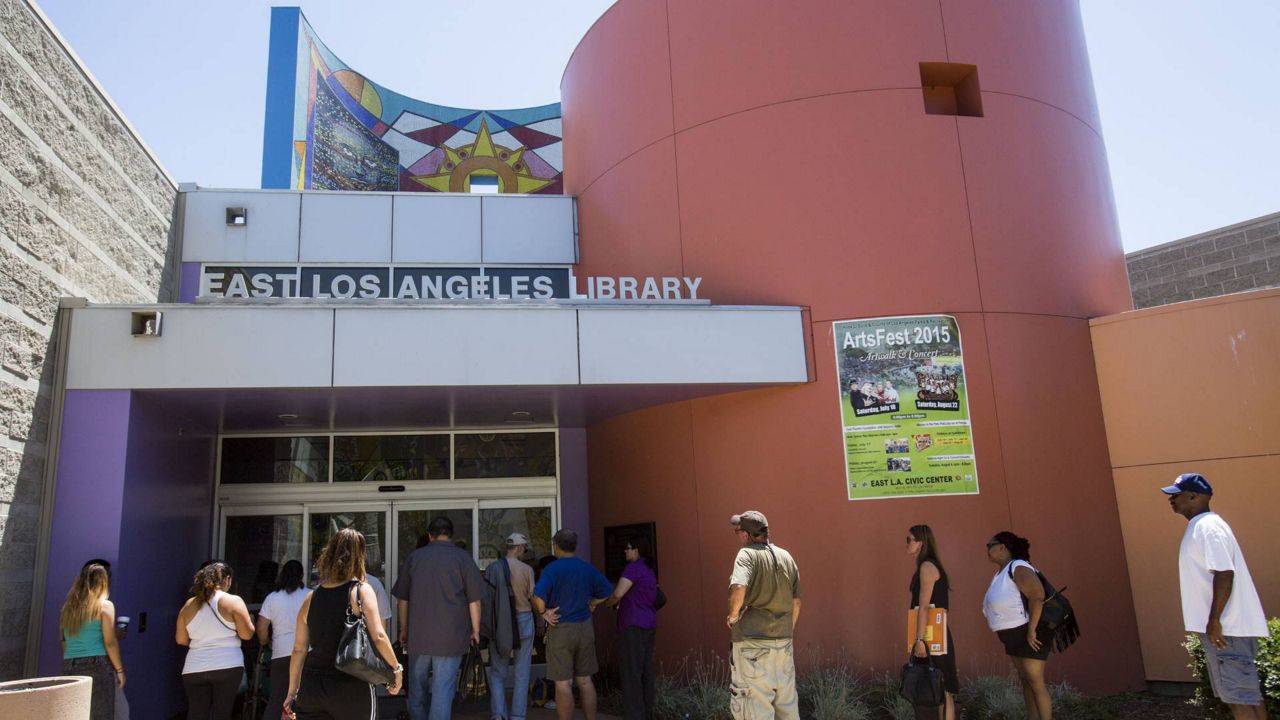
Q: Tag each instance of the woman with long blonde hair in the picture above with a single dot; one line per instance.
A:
(89, 645)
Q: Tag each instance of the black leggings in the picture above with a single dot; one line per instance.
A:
(210, 694)
(334, 696)
(279, 688)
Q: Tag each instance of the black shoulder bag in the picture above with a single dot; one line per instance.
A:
(922, 683)
(1057, 618)
(357, 656)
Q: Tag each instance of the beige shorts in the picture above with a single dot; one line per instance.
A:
(763, 681)
(571, 651)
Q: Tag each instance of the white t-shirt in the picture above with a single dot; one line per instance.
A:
(1208, 546)
(281, 608)
(384, 600)
(1003, 602)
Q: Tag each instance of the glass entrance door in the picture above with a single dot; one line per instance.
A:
(370, 519)
(256, 540)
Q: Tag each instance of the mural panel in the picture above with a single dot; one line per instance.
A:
(349, 133)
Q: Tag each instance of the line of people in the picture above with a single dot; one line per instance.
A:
(441, 596)
(1219, 604)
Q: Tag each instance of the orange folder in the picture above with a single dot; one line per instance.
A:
(935, 632)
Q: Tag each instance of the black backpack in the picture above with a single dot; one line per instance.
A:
(1057, 618)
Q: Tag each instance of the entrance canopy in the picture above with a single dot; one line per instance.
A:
(302, 365)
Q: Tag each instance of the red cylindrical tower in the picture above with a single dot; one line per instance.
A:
(783, 152)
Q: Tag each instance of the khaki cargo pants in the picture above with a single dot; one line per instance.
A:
(763, 681)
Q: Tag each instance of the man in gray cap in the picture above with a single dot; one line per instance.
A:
(1219, 601)
(764, 605)
(511, 629)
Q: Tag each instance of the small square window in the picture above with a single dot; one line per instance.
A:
(485, 184)
(237, 216)
(951, 89)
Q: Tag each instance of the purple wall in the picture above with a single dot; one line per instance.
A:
(574, 510)
(135, 486)
(189, 282)
(167, 513)
(87, 502)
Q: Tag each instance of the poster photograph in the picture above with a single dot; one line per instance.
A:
(904, 407)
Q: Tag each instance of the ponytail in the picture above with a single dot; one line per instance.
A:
(1019, 547)
(208, 580)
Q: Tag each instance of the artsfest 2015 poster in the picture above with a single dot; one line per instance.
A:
(904, 407)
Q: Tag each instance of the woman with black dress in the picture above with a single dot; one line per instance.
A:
(318, 690)
(929, 586)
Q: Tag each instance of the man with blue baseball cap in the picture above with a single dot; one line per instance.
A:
(1219, 601)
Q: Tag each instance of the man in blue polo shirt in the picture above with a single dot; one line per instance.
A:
(565, 595)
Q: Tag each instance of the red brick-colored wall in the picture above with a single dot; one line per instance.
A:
(782, 152)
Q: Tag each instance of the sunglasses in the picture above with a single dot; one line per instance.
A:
(993, 544)
(911, 540)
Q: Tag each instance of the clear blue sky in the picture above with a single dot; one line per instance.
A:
(1187, 88)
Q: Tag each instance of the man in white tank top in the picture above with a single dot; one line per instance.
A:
(1219, 601)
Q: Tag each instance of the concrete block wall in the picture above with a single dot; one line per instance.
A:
(85, 210)
(1245, 256)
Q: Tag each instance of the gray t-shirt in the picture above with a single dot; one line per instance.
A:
(772, 580)
(439, 581)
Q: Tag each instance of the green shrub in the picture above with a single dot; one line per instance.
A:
(991, 698)
(1268, 673)
(881, 695)
(832, 693)
(699, 688)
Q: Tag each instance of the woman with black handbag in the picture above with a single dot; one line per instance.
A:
(1013, 605)
(931, 589)
(318, 689)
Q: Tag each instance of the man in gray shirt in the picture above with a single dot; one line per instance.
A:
(764, 605)
(438, 603)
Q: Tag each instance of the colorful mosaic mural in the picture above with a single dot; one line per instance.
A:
(346, 132)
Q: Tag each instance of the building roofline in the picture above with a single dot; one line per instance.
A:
(1200, 236)
(97, 86)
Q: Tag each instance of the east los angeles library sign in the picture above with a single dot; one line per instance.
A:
(434, 283)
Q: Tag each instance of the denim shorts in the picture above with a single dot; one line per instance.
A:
(1233, 670)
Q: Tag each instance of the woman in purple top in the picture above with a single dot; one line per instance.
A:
(634, 596)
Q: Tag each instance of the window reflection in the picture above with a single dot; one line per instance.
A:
(497, 523)
(390, 458)
(256, 547)
(275, 460)
(493, 455)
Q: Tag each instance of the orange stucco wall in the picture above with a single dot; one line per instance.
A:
(782, 152)
(1192, 387)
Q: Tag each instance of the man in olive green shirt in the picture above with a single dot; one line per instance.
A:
(764, 605)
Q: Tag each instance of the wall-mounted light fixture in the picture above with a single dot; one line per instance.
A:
(145, 324)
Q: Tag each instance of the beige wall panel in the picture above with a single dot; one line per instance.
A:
(1194, 380)
(1246, 494)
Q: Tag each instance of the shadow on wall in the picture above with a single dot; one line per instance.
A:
(21, 487)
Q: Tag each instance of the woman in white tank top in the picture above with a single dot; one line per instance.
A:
(213, 623)
(1016, 624)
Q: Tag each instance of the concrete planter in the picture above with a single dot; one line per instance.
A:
(53, 698)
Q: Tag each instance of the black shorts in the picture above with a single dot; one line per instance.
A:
(334, 696)
(1015, 643)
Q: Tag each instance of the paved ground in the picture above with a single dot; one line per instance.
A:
(480, 711)
(534, 714)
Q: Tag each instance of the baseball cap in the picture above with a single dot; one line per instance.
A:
(753, 521)
(517, 539)
(1189, 482)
